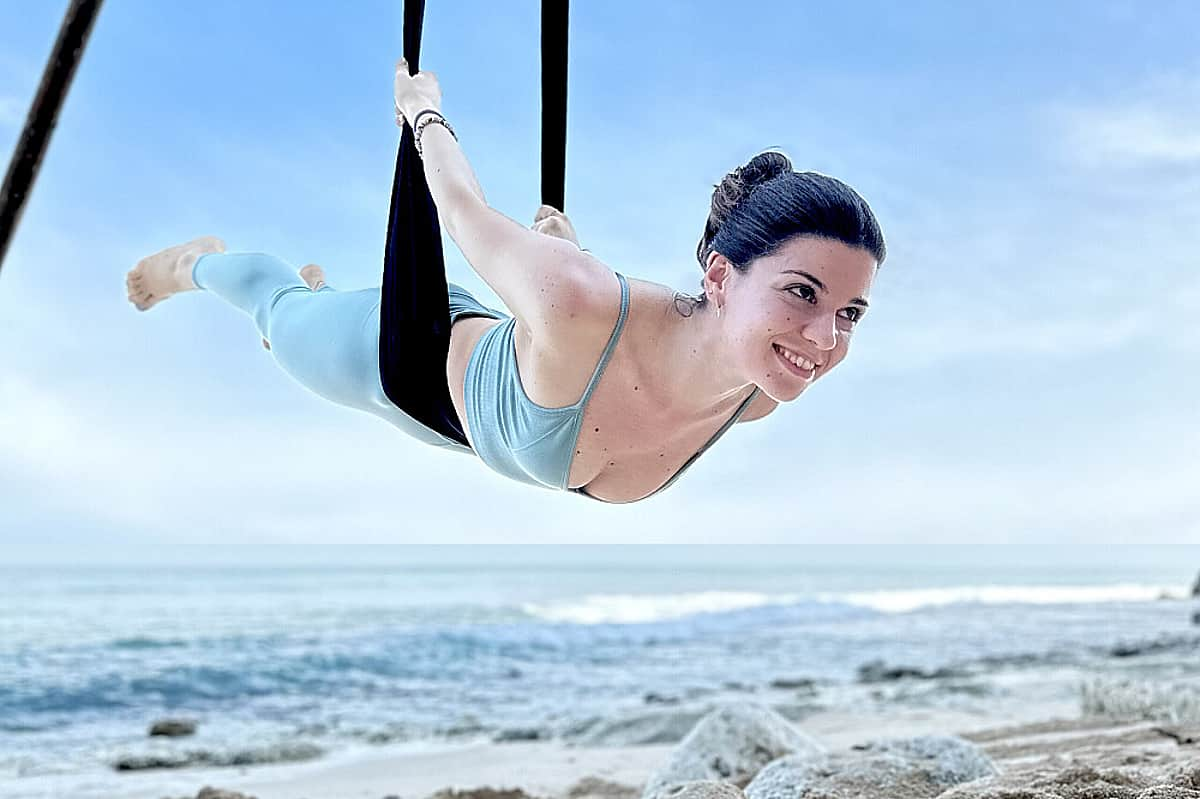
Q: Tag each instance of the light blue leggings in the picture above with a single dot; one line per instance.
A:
(327, 340)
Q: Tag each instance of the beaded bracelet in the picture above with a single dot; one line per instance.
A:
(420, 125)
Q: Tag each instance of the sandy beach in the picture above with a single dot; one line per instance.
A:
(1073, 752)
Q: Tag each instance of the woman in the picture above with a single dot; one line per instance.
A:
(608, 387)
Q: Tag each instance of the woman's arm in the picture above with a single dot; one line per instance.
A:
(546, 282)
(447, 171)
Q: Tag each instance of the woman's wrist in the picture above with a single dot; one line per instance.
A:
(410, 113)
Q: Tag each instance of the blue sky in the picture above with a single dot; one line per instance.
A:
(1028, 372)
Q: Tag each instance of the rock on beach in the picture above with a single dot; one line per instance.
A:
(730, 744)
(898, 768)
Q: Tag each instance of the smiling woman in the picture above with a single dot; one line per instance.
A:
(617, 386)
(596, 383)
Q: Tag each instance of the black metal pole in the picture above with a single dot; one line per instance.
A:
(43, 115)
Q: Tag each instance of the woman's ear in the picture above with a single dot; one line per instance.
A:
(715, 277)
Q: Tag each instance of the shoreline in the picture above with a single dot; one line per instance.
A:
(555, 769)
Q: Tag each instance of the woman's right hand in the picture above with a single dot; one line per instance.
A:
(552, 222)
(415, 93)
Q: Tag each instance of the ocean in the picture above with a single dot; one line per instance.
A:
(295, 654)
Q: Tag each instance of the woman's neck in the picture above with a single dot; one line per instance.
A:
(693, 366)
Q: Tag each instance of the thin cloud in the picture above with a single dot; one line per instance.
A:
(1159, 126)
(915, 498)
(12, 111)
(177, 475)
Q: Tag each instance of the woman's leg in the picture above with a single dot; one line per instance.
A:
(314, 277)
(326, 340)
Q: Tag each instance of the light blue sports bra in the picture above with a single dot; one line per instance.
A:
(523, 440)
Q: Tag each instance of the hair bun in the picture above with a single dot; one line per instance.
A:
(736, 187)
(741, 182)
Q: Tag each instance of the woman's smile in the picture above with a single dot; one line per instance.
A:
(806, 369)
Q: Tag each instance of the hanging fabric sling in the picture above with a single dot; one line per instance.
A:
(414, 315)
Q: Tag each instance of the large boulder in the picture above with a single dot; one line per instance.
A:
(902, 768)
(730, 744)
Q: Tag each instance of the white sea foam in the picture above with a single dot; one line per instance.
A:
(640, 608)
(905, 601)
(643, 608)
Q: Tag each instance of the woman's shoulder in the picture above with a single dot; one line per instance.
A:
(600, 302)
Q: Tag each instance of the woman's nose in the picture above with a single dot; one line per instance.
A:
(822, 332)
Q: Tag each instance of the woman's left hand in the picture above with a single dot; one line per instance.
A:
(553, 222)
(415, 93)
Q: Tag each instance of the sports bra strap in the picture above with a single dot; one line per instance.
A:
(612, 341)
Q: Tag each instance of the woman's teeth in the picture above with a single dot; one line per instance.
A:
(798, 360)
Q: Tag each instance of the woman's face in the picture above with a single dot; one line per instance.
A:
(806, 299)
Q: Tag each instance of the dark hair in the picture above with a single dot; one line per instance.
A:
(760, 206)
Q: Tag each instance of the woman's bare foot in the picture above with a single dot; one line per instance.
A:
(167, 272)
(314, 276)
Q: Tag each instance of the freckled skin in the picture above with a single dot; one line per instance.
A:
(766, 305)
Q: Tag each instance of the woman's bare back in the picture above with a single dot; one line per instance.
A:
(629, 444)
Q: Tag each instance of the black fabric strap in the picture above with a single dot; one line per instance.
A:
(414, 316)
(414, 312)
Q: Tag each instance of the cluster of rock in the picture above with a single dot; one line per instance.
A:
(747, 751)
(750, 752)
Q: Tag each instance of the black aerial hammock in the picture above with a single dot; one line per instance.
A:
(414, 378)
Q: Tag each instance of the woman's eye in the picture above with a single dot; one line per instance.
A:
(854, 313)
(806, 292)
